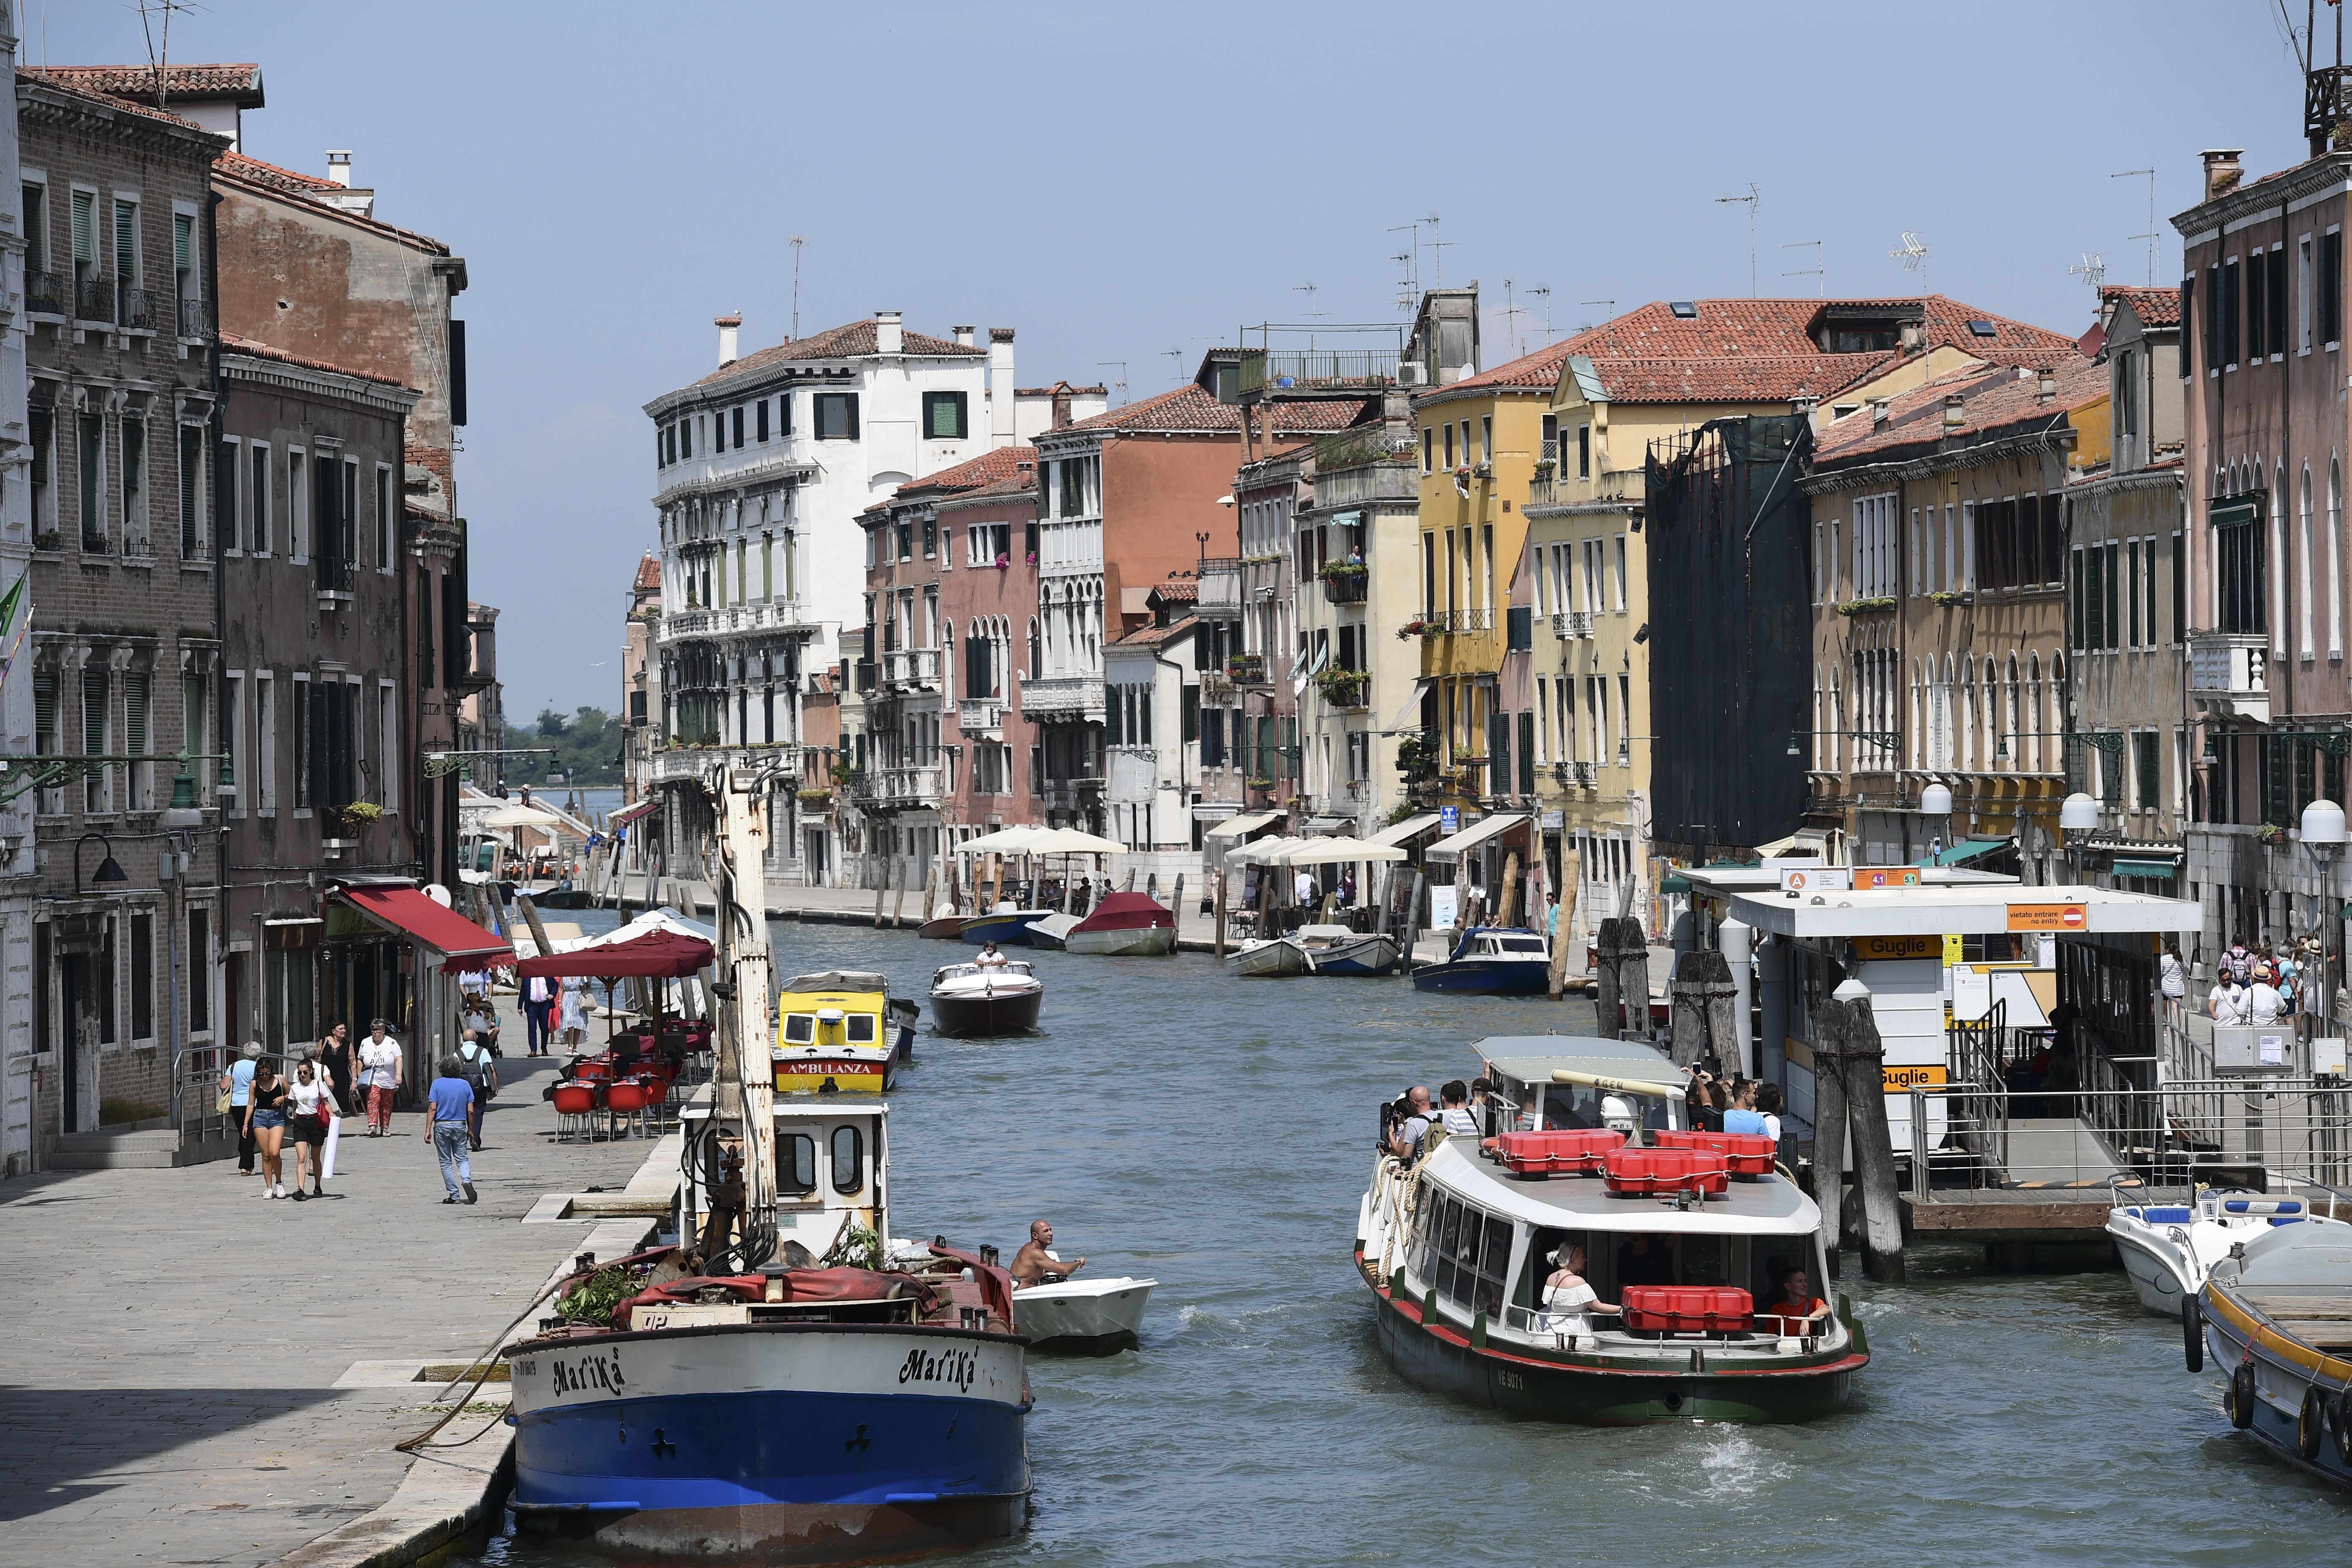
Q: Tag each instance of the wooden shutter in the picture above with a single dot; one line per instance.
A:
(93, 713)
(2257, 314)
(315, 755)
(134, 712)
(183, 242)
(192, 462)
(2278, 301)
(45, 712)
(126, 244)
(1528, 753)
(85, 220)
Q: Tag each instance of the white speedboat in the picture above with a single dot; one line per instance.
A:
(1334, 950)
(978, 1000)
(1268, 958)
(1093, 1317)
(2169, 1250)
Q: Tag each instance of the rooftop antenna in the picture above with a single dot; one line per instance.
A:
(1752, 201)
(1608, 323)
(1544, 292)
(1311, 313)
(2091, 269)
(1176, 361)
(2150, 235)
(1815, 270)
(797, 242)
(1511, 314)
(1437, 248)
(1914, 257)
(159, 46)
(1408, 295)
(1120, 385)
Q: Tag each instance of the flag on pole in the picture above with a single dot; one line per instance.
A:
(10, 602)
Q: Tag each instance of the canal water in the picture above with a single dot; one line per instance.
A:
(1215, 1134)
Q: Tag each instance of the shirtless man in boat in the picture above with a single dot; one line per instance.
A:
(1031, 1266)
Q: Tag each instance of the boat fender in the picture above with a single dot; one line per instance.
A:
(2311, 1423)
(2193, 1331)
(2238, 1403)
(2343, 1425)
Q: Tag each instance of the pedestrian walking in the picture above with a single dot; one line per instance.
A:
(264, 1118)
(237, 1084)
(342, 1061)
(475, 1064)
(311, 1107)
(380, 1070)
(571, 1021)
(452, 1098)
(538, 1009)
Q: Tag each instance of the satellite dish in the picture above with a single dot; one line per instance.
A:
(437, 893)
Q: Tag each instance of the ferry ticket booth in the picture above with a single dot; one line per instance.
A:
(1960, 976)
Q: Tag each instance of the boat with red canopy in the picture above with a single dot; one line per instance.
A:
(1125, 925)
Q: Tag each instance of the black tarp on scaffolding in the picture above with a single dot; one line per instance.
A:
(1730, 630)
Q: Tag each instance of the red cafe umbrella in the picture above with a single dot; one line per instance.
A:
(657, 955)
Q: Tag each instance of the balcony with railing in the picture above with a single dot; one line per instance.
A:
(1220, 596)
(896, 788)
(1345, 585)
(778, 458)
(1307, 372)
(1246, 670)
(194, 320)
(1349, 690)
(94, 301)
(1572, 624)
(691, 762)
(1063, 698)
(2229, 673)
(911, 670)
(782, 614)
(48, 294)
(332, 579)
(980, 716)
(135, 309)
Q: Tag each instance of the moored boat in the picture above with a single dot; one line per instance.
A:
(947, 926)
(1005, 926)
(1052, 932)
(1267, 958)
(1334, 950)
(830, 1029)
(1681, 1244)
(976, 1001)
(2275, 1315)
(1125, 925)
(2168, 1250)
(1491, 961)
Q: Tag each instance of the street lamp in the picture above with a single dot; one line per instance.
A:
(1936, 801)
(2079, 814)
(109, 868)
(2323, 834)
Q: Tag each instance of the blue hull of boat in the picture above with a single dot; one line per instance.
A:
(793, 1450)
(1002, 930)
(1483, 977)
(1351, 968)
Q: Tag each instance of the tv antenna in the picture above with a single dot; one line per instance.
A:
(797, 242)
(1120, 385)
(2150, 235)
(1751, 200)
(1815, 270)
(1409, 290)
(1437, 249)
(2091, 269)
(1608, 323)
(1511, 314)
(158, 47)
(1175, 357)
(1544, 292)
(1914, 257)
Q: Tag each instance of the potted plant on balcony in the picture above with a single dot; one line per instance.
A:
(1343, 687)
(1948, 598)
(1248, 667)
(2272, 835)
(356, 815)
(1546, 466)
(1866, 606)
(1413, 628)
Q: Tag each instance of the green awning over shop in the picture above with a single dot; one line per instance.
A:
(1967, 850)
(1675, 882)
(2147, 868)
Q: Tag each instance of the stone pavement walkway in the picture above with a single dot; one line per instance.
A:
(167, 1385)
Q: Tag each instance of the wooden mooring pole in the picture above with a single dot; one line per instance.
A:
(1563, 925)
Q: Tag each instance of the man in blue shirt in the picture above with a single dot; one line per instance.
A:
(239, 1081)
(452, 1103)
(1743, 1116)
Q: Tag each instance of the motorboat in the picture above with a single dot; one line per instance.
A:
(2275, 1315)
(1685, 1233)
(831, 1029)
(792, 1396)
(1052, 932)
(976, 1001)
(1267, 958)
(1006, 925)
(1083, 1316)
(2168, 1250)
(1336, 951)
(1491, 961)
(1125, 925)
(945, 925)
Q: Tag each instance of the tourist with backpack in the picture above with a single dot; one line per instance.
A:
(478, 1064)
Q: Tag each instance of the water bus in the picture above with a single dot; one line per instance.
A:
(1685, 1235)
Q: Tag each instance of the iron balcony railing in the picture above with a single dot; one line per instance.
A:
(94, 301)
(49, 293)
(1572, 624)
(1346, 587)
(1282, 370)
(135, 309)
(195, 319)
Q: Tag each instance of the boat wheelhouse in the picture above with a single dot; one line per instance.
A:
(832, 1029)
(1686, 1232)
(1491, 961)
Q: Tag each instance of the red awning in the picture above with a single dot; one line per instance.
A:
(462, 945)
(629, 813)
(1126, 912)
(657, 955)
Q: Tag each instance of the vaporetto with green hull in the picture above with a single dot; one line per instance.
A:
(1691, 1235)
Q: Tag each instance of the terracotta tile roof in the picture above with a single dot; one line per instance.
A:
(1060, 386)
(238, 83)
(1725, 328)
(1178, 590)
(252, 349)
(237, 169)
(853, 340)
(1021, 484)
(648, 573)
(1193, 408)
(1152, 637)
(1536, 372)
(1753, 378)
(56, 83)
(987, 468)
(2154, 307)
(1996, 400)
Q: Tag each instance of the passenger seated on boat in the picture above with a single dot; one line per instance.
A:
(1404, 1142)
(988, 957)
(1794, 1308)
(1743, 1116)
(1035, 1265)
(1645, 1260)
(1569, 1301)
(1455, 1110)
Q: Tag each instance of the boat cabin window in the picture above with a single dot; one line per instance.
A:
(1510, 944)
(795, 1162)
(1470, 1250)
(848, 1157)
(800, 1029)
(1567, 1105)
(862, 1027)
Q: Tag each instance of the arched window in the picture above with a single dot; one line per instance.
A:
(2334, 556)
(1036, 652)
(2056, 721)
(2303, 573)
(2009, 723)
(1837, 723)
(2032, 708)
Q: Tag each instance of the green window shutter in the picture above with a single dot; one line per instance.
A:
(134, 712)
(1521, 621)
(184, 231)
(126, 243)
(1527, 749)
(45, 711)
(93, 713)
(192, 458)
(84, 221)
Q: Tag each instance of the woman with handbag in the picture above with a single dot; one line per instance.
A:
(265, 1123)
(311, 1105)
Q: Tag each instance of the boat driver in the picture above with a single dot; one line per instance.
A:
(1035, 1264)
(988, 957)
(1794, 1303)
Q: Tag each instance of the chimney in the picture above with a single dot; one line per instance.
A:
(963, 337)
(1878, 412)
(889, 333)
(1956, 412)
(1001, 429)
(1061, 405)
(339, 166)
(727, 326)
(1912, 335)
(2222, 171)
(2046, 386)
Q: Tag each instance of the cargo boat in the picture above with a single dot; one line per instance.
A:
(2275, 1315)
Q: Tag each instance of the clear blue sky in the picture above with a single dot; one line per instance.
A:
(1118, 181)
